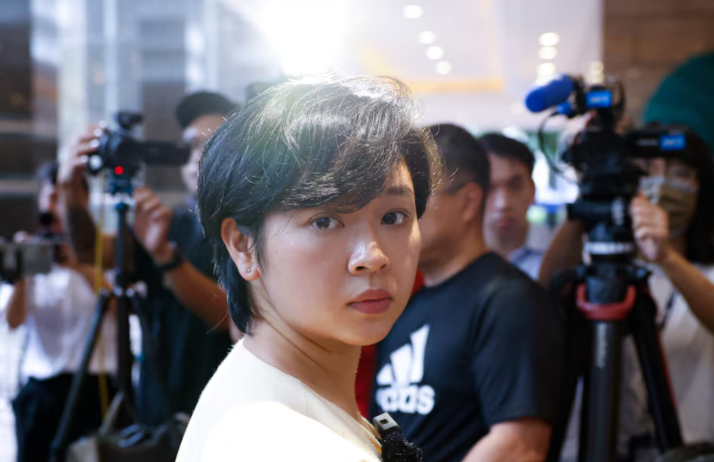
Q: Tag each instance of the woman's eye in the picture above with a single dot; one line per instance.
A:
(394, 218)
(325, 223)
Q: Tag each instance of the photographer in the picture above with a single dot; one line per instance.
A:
(186, 310)
(56, 309)
(673, 226)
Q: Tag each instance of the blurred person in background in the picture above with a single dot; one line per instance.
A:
(57, 310)
(187, 311)
(510, 195)
(471, 367)
(673, 226)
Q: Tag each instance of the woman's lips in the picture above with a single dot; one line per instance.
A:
(372, 302)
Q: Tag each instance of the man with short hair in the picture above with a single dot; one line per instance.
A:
(512, 191)
(187, 312)
(470, 368)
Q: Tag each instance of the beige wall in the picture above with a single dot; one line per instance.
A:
(646, 39)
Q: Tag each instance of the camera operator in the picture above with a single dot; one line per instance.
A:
(187, 311)
(56, 309)
(673, 226)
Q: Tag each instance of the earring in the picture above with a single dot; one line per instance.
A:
(249, 270)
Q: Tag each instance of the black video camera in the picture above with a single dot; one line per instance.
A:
(123, 155)
(609, 178)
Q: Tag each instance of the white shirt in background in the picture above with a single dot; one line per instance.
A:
(252, 412)
(689, 350)
(529, 257)
(61, 305)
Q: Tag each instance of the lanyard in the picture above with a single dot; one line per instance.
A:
(668, 309)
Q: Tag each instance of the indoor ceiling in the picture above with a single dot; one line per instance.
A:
(489, 52)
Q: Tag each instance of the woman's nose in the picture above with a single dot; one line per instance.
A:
(367, 257)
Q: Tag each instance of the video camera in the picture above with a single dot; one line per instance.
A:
(123, 155)
(603, 157)
(18, 260)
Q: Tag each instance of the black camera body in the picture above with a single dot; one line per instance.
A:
(123, 155)
(603, 157)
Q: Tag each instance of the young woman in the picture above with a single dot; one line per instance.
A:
(673, 225)
(311, 196)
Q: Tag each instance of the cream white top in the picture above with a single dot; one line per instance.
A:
(252, 412)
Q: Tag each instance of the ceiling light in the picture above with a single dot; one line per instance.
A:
(413, 11)
(443, 67)
(549, 39)
(434, 52)
(427, 37)
(547, 53)
(546, 69)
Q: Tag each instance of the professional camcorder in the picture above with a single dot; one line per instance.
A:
(603, 157)
(123, 155)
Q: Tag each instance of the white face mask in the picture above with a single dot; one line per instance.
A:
(678, 199)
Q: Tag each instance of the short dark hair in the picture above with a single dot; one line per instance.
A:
(47, 173)
(462, 154)
(200, 104)
(323, 141)
(503, 146)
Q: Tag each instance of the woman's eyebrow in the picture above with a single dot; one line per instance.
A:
(399, 190)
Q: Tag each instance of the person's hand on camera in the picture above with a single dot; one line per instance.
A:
(151, 225)
(650, 224)
(73, 167)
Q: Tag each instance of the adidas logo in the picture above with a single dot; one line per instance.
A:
(402, 376)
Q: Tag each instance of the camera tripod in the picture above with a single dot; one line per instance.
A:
(127, 301)
(606, 301)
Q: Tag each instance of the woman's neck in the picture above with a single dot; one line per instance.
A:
(328, 368)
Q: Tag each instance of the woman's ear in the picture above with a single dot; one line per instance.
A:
(240, 249)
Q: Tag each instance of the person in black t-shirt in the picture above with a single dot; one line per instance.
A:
(187, 312)
(471, 368)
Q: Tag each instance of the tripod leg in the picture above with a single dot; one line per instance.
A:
(654, 369)
(60, 440)
(604, 387)
(150, 356)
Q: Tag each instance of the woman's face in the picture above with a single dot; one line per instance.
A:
(336, 277)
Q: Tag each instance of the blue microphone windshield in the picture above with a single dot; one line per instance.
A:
(551, 94)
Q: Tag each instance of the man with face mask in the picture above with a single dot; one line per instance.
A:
(187, 311)
(674, 232)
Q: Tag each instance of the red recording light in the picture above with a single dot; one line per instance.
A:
(118, 170)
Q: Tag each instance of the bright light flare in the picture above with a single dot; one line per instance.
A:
(413, 11)
(427, 37)
(434, 52)
(443, 67)
(306, 34)
(547, 53)
(549, 39)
